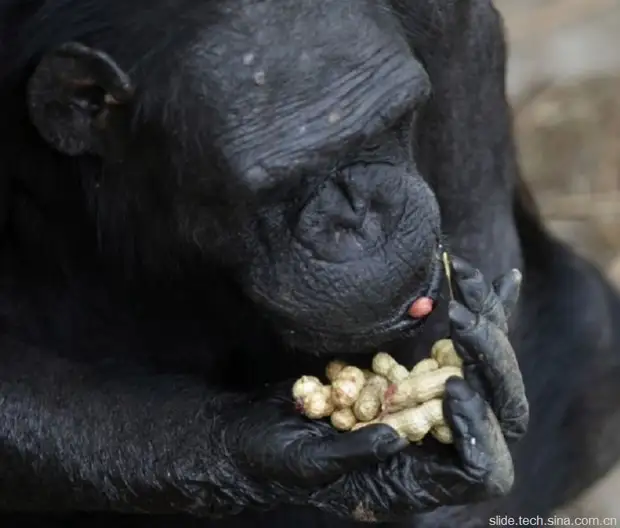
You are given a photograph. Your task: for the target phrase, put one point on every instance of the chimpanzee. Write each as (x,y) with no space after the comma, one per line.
(204,200)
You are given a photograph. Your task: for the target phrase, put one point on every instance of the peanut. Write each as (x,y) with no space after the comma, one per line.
(368,374)
(419,388)
(413,424)
(352,373)
(343,419)
(319,404)
(397,373)
(442,433)
(305,386)
(347,386)
(410,400)
(382,363)
(368,403)
(333,369)
(444,353)
(426,365)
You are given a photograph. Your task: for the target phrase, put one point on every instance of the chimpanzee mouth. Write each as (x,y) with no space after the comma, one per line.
(401,326)
(404,324)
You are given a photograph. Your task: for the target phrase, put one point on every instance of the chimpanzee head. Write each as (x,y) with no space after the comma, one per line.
(274,137)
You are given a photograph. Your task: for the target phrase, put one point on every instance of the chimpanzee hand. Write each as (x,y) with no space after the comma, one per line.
(372,474)
(479,326)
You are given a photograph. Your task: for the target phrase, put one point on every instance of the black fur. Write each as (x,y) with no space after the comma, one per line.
(136,293)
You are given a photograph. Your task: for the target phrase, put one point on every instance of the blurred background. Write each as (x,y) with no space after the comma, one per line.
(564,85)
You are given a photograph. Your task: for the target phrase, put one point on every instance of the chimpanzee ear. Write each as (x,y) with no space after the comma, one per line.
(70,94)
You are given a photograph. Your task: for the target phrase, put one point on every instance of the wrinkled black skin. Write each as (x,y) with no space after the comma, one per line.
(130,315)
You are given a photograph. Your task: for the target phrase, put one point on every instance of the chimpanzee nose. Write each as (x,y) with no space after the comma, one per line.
(337,223)
(349,202)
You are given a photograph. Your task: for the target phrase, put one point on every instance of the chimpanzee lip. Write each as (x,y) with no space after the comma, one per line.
(431,289)
(401,326)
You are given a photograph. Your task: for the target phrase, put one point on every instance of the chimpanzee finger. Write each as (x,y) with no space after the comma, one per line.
(328,458)
(507,288)
(476,379)
(482,343)
(478,438)
(477,294)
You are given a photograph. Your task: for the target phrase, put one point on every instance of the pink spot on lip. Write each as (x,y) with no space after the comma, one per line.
(421,307)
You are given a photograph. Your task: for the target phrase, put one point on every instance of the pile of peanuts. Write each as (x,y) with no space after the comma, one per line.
(409,401)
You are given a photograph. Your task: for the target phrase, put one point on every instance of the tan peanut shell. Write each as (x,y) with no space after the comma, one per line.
(382,363)
(419,388)
(305,386)
(397,373)
(442,433)
(343,419)
(352,373)
(347,386)
(318,405)
(411,399)
(333,369)
(426,365)
(413,424)
(444,353)
(368,404)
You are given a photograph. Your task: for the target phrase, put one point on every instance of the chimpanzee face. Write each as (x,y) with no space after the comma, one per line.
(273,136)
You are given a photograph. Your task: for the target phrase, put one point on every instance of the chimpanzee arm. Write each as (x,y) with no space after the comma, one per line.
(110,436)
(78,436)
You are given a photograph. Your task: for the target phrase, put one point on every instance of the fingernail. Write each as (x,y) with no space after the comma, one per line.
(462,267)
(517,276)
(460,316)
